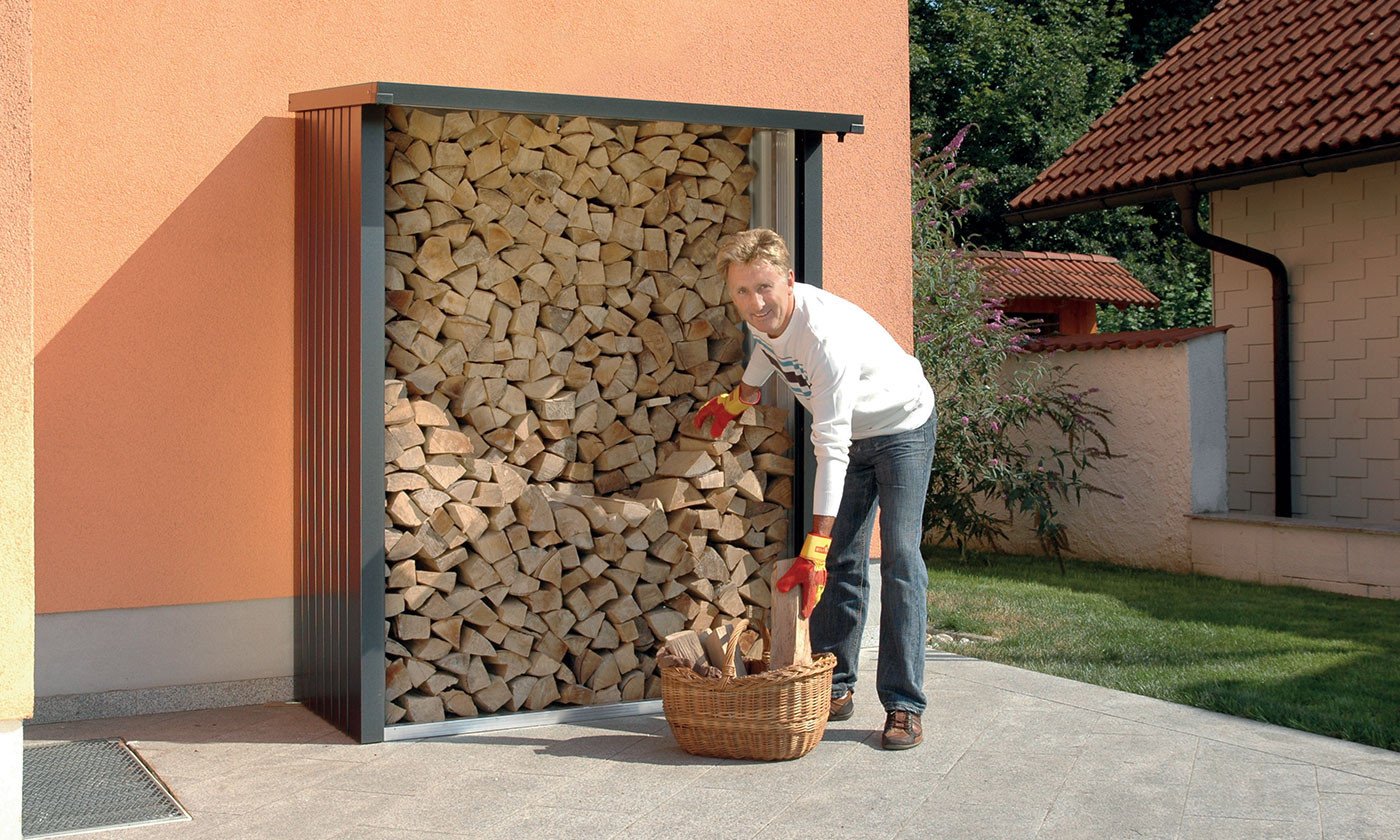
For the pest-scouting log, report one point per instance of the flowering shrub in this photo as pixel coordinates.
(987, 469)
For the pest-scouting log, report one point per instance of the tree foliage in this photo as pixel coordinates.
(1154, 27)
(1030, 77)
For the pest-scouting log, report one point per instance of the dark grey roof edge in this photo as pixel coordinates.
(523, 102)
(1314, 165)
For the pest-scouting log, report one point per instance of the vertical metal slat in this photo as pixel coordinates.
(807, 255)
(299, 658)
(368, 444)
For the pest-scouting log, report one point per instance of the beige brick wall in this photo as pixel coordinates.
(1339, 236)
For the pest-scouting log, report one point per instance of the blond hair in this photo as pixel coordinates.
(750, 246)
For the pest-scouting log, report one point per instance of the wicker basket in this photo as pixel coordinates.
(772, 716)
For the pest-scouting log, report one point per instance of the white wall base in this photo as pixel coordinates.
(156, 701)
(11, 778)
(150, 647)
(1363, 561)
(106, 663)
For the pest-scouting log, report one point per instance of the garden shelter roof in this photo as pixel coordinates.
(1040, 274)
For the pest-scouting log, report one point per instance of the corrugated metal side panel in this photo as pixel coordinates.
(328, 403)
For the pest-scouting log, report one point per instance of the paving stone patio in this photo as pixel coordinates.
(1008, 753)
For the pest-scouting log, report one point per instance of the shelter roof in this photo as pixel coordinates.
(1014, 274)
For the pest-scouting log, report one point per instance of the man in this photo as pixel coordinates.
(873, 429)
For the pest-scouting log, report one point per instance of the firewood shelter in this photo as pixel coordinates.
(506, 312)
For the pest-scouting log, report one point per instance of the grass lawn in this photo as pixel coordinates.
(1308, 660)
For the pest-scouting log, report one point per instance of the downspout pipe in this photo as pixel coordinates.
(1186, 199)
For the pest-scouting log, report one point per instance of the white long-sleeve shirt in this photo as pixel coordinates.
(850, 375)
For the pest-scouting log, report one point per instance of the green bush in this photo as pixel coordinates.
(987, 470)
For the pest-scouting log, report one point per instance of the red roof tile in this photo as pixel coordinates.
(1013, 274)
(1256, 84)
(1121, 340)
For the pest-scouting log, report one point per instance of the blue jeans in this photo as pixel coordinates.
(894, 471)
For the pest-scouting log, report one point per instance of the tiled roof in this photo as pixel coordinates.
(1256, 84)
(1121, 340)
(1014, 274)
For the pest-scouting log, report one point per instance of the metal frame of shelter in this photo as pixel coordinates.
(339, 371)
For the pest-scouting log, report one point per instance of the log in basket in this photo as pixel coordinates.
(775, 715)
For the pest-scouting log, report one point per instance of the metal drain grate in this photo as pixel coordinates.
(83, 786)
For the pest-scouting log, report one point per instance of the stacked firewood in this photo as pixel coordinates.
(554, 321)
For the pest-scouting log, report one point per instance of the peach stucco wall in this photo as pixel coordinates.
(16, 370)
(1339, 235)
(1148, 394)
(163, 232)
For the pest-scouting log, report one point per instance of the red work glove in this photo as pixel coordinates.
(721, 411)
(809, 572)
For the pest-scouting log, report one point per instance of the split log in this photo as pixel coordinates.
(684, 646)
(792, 644)
(715, 641)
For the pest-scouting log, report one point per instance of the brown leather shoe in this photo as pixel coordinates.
(903, 730)
(842, 707)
